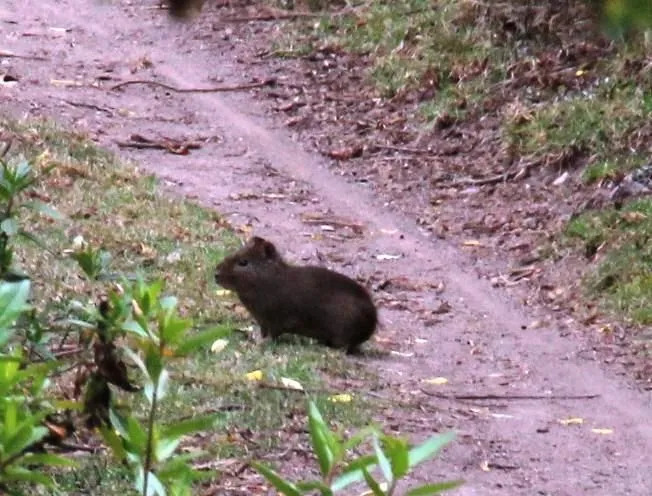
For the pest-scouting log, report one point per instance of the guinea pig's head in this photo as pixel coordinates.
(247, 265)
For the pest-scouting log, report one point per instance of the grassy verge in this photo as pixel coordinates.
(112, 205)
(563, 95)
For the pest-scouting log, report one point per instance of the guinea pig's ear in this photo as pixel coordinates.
(269, 249)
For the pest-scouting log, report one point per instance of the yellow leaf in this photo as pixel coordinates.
(580, 72)
(604, 432)
(222, 292)
(341, 398)
(291, 383)
(255, 375)
(471, 242)
(438, 381)
(383, 486)
(218, 345)
(64, 82)
(571, 421)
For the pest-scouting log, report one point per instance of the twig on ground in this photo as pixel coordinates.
(18, 56)
(417, 151)
(90, 106)
(172, 146)
(479, 397)
(272, 17)
(276, 15)
(236, 87)
(499, 178)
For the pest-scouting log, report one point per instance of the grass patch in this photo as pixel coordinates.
(112, 205)
(623, 279)
(611, 128)
(415, 43)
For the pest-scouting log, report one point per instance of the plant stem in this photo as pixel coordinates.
(150, 437)
(150, 430)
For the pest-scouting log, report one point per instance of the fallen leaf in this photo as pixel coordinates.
(436, 380)
(222, 292)
(218, 345)
(64, 82)
(255, 375)
(401, 354)
(345, 153)
(291, 383)
(604, 432)
(341, 398)
(385, 256)
(571, 421)
(484, 466)
(633, 217)
(382, 485)
(471, 242)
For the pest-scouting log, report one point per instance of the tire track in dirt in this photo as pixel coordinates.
(479, 346)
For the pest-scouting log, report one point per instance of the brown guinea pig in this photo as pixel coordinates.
(309, 301)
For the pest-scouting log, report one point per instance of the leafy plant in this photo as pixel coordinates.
(338, 471)
(157, 333)
(15, 179)
(23, 406)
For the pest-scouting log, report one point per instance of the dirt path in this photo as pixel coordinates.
(257, 175)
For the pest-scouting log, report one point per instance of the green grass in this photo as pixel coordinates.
(622, 241)
(414, 43)
(115, 207)
(608, 129)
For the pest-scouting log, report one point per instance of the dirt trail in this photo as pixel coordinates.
(256, 174)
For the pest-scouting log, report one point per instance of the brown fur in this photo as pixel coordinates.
(309, 301)
(182, 9)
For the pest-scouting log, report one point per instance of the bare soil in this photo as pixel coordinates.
(526, 367)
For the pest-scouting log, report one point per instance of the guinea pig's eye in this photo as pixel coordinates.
(243, 262)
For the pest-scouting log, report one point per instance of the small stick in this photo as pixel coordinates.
(512, 396)
(17, 56)
(505, 176)
(418, 151)
(272, 17)
(237, 87)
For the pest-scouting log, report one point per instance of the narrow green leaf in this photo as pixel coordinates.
(118, 424)
(372, 484)
(48, 459)
(312, 485)
(137, 435)
(429, 448)
(13, 301)
(16, 474)
(114, 442)
(285, 487)
(318, 434)
(437, 488)
(184, 427)
(398, 452)
(26, 436)
(192, 343)
(164, 448)
(385, 466)
(135, 328)
(174, 330)
(154, 486)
